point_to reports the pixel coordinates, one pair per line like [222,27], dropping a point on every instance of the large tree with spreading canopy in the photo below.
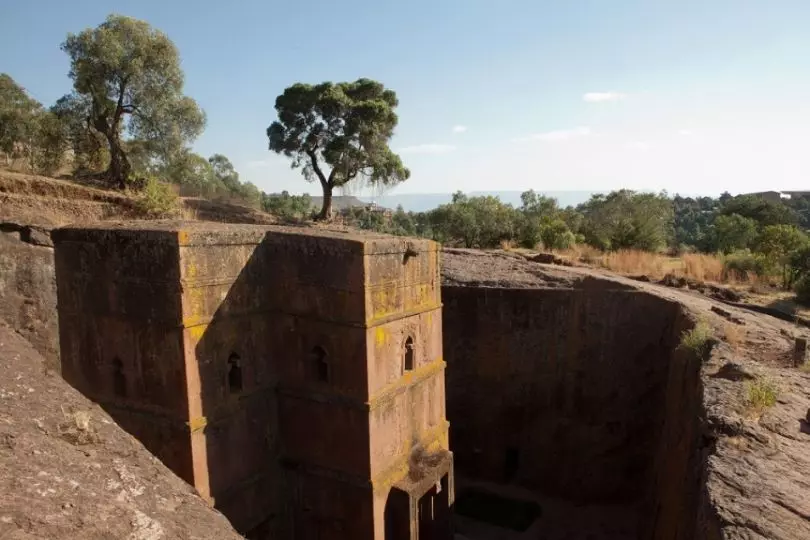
[130,75]
[338,132]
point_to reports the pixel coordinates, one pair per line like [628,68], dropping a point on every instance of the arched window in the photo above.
[320,364]
[234,373]
[407,361]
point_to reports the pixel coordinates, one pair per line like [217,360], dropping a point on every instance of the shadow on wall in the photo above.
[581,395]
[266,338]
[230,352]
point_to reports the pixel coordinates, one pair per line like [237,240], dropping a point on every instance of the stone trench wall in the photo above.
[578,394]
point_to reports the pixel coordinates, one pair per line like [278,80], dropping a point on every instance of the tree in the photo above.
[625,219]
[18,114]
[130,74]
[761,210]
[50,142]
[224,172]
[191,170]
[89,147]
[778,243]
[344,126]
[732,232]
[556,235]
[291,207]
[481,222]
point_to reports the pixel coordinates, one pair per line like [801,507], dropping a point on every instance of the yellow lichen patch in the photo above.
[197,424]
[196,332]
[380,337]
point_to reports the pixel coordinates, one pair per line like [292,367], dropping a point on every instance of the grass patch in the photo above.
[805,368]
[760,395]
[697,339]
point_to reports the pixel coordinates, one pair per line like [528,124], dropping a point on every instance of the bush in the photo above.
[742,265]
[157,199]
[760,394]
[697,339]
[802,289]
[556,235]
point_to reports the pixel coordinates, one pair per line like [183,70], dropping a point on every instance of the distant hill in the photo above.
[421,202]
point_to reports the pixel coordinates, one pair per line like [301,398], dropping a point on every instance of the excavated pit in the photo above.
[573,412]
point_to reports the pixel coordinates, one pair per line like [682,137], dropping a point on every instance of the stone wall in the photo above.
[290,375]
[561,391]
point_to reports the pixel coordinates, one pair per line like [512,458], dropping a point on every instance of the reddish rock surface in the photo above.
[67,471]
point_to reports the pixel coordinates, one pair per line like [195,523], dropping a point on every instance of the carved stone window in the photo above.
[407,361]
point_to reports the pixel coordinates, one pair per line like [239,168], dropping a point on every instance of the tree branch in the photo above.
[317,168]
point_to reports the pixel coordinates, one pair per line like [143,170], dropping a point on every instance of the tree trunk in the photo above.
[120,167]
[326,208]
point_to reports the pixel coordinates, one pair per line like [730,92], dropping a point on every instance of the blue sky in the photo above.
[694,96]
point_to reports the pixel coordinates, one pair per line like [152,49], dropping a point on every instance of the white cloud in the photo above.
[459,129]
[427,149]
[599,97]
[557,135]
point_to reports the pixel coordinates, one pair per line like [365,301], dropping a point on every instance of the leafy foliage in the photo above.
[343,126]
[130,78]
[18,113]
[157,199]
[732,232]
[625,219]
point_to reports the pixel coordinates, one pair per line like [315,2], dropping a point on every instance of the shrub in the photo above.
[556,235]
[157,199]
[743,265]
[697,339]
[760,394]
[802,289]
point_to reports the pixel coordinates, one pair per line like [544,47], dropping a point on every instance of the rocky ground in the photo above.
[67,471]
[758,473]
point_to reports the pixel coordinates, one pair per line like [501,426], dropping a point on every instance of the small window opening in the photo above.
[234,374]
[119,378]
[320,363]
[408,360]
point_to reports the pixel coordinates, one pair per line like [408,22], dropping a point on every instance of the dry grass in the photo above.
[507,245]
[733,335]
[698,266]
[702,267]
[760,395]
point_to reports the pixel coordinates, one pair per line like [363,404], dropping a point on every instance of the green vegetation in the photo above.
[127,75]
[697,338]
[157,199]
[126,120]
[760,394]
[344,126]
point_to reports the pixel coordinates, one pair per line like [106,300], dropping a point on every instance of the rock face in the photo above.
[557,379]
[67,471]
[28,292]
